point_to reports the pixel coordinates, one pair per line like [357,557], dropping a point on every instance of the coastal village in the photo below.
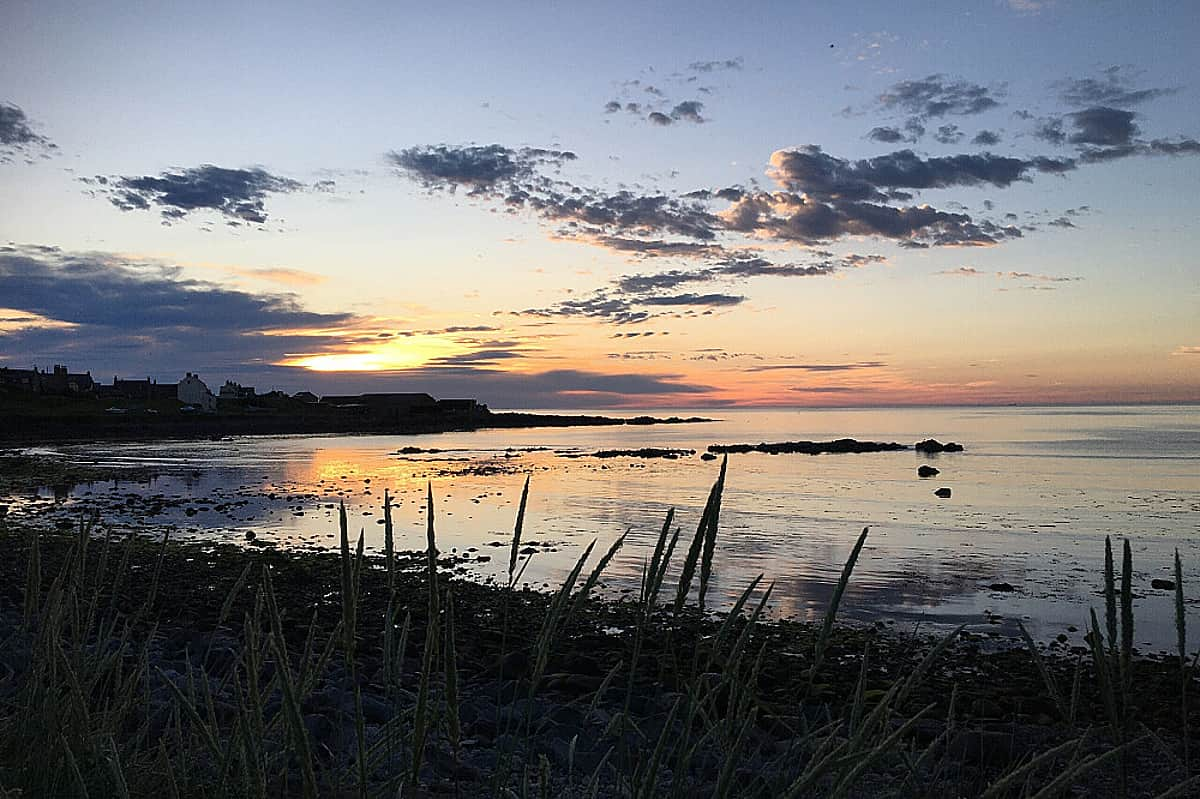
[191,395]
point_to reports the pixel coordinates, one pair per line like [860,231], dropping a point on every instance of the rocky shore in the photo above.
[189,627]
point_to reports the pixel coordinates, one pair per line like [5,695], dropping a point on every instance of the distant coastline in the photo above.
[31,428]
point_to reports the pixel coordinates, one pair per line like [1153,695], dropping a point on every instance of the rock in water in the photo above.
[1004,588]
[1165,585]
[933,445]
[926,471]
[944,493]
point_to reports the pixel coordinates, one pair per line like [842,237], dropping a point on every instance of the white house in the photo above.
[192,391]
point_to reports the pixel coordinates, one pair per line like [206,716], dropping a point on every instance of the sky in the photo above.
[617,205]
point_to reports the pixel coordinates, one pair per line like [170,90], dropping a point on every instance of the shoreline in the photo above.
[20,430]
[982,713]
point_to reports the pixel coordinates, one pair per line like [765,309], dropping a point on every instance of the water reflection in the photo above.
[1033,497]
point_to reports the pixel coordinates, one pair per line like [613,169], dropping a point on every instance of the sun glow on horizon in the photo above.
[387,356]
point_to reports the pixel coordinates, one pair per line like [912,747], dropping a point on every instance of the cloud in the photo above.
[1106,127]
[828,389]
[1111,89]
[689,111]
[887,135]
[963,271]
[810,170]
[714,300]
[1186,350]
[741,268]
[240,195]
[480,168]
[1037,278]
[1179,147]
[949,134]
[939,96]
[716,66]
[824,198]
[816,367]
[1050,129]
[17,136]
[659,118]
[986,138]
[623,308]
[281,275]
[123,312]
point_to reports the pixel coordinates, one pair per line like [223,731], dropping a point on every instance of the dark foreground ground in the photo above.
[130,666]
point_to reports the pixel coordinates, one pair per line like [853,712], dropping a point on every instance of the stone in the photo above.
[943,492]
[1164,585]
[1004,588]
[927,471]
[933,445]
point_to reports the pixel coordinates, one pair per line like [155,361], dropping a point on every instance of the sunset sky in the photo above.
[608,204]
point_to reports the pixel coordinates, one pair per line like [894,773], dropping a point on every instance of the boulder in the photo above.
[1165,585]
[943,492]
[927,471]
[935,446]
[1004,588]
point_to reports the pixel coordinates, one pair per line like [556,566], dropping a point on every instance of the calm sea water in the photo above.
[1034,495]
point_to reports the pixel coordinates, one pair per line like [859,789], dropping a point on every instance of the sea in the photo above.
[1021,538]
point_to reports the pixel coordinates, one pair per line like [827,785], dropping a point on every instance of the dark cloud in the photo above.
[689,111]
[623,308]
[238,194]
[1103,126]
[824,198]
[948,134]
[740,269]
[939,96]
[16,134]
[986,138]
[1178,147]
[443,331]
[657,247]
[659,118]
[118,312]
[1051,130]
[612,107]
[716,66]
[828,389]
[713,300]
[886,135]
[1111,89]
[481,168]
[810,170]
[816,367]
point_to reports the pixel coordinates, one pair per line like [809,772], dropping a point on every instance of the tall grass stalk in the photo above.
[835,603]
[1184,674]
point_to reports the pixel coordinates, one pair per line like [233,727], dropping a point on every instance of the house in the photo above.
[21,379]
[59,381]
[306,397]
[192,391]
[62,381]
[133,390]
[403,403]
[236,391]
[458,407]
